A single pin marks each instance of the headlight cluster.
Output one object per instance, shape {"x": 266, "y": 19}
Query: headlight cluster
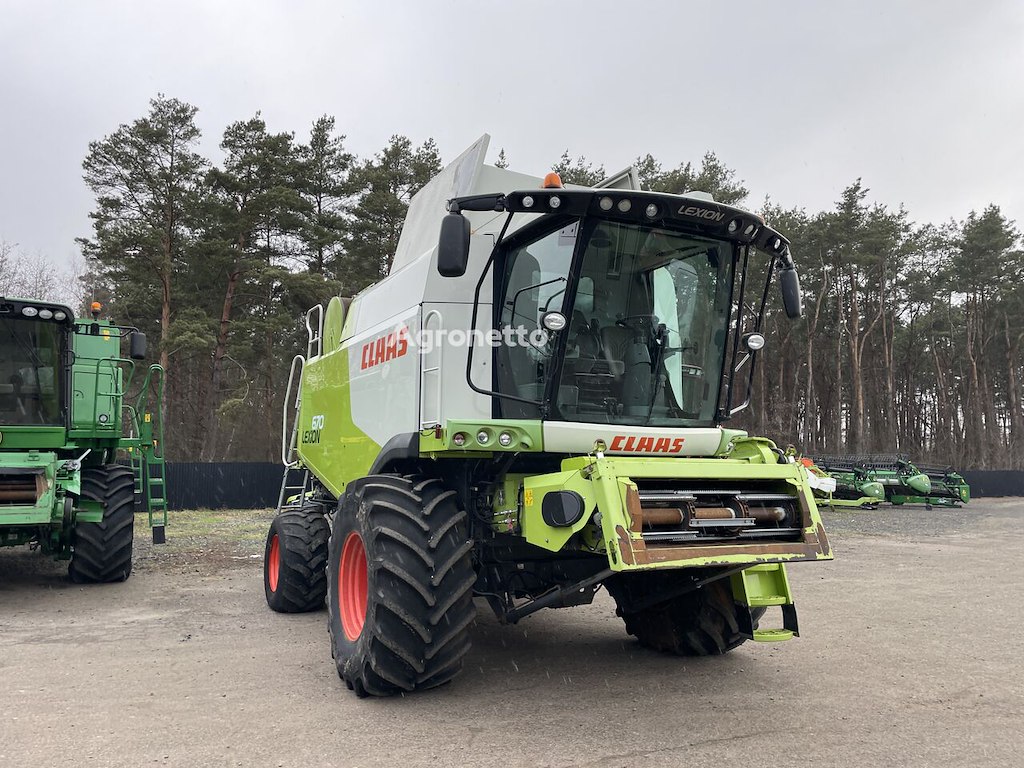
{"x": 45, "y": 313}
{"x": 553, "y": 201}
{"x": 491, "y": 438}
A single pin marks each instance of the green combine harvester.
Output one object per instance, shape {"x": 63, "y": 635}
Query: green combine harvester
{"x": 66, "y": 426}
{"x": 874, "y": 478}
{"x": 533, "y": 405}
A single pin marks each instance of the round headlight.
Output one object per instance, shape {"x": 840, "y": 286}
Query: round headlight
{"x": 527, "y": 202}
{"x": 749, "y": 230}
{"x": 554, "y": 321}
{"x": 776, "y": 244}
{"x": 651, "y": 210}
{"x": 625, "y": 205}
{"x": 29, "y": 311}
{"x": 45, "y": 314}
{"x": 733, "y": 226}
{"x": 483, "y": 436}
{"x": 58, "y": 315}
{"x": 753, "y": 341}
{"x": 459, "y": 439}
{"x": 555, "y": 201}
{"x": 505, "y": 438}
{"x": 606, "y": 203}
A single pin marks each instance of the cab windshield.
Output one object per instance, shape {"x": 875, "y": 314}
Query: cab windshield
{"x": 646, "y": 329}
{"x": 29, "y": 372}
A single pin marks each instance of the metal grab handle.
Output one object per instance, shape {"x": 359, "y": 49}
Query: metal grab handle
{"x": 434, "y": 369}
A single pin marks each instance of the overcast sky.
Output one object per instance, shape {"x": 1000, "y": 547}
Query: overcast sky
{"x": 923, "y": 100}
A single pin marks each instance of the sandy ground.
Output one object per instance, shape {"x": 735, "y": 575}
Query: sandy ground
{"x": 911, "y": 655}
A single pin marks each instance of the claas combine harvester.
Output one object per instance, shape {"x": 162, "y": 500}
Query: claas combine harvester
{"x": 533, "y": 405}
{"x": 77, "y": 455}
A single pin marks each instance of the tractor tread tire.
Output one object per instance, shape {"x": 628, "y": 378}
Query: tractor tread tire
{"x": 698, "y": 623}
{"x": 303, "y": 537}
{"x": 420, "y": 585}
{"x": 102, "y": 552}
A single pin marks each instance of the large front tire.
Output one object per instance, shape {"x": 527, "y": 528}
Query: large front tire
{"x": 295, "y": 561}
{"x": 102, "y": 552}
{"x": 702, "y": 622}
{"x": 400, "y": 584}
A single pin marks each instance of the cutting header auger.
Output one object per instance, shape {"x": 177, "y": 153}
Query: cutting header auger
{"x": 533, "y": 405}
{"x": 77, "y": 454}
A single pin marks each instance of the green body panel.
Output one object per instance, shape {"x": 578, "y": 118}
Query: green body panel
{"x": 97, "y": 385}
{"x": 534, "y": 529}
{"x": 603, "y": 482}
{"x": 44, "y": 510}
{"x": 32, "y": 438}
{"x": 527, "y": 436}
{"x": 334, "y": 449}
{"x": 333, "y": 321}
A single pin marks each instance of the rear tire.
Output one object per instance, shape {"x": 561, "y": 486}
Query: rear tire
{"x": 698, "y": 623}
{"x": 102, "y": 552}
{"x": 400, "y": 585}
{"x": 295, "y": 561}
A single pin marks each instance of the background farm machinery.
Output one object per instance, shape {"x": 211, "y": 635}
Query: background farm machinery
{"x": 863, "y": 480}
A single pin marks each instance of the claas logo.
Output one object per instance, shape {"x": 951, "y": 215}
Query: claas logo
{"x": 394, "y": 344}
{"x": 634, "y": 444}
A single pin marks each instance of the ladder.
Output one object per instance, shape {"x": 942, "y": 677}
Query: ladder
{"x": 146, "y": 451}
{"x": 295, "y": 480}
{"x": 148, "y": 465}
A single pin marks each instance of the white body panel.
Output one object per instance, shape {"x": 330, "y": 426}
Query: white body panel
{"x": 570, "y": 437}
{"x": 384, "y": 373}
{"x": 446, "y": 395}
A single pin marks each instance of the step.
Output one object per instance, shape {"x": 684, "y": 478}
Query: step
{"x": 772, "y": 635}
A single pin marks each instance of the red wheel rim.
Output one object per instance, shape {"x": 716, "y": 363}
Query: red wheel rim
{"x": 352, "y": 586}
{"x": 274, "y": 563}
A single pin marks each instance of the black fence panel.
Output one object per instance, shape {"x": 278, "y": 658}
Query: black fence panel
{"x": 251, "y": 485}
{"x": 995, "y": 482}
{"x": 220, "y": 485}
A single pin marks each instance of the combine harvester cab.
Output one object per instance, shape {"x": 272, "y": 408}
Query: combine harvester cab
{"x": 532, "y": 405}
{"x": 64, "y": 415}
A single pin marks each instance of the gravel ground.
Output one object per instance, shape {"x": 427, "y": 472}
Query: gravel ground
{"x": 911, "y": 655}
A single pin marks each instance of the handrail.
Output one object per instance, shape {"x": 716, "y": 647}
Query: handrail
{"x": 315, "y": 337}
{"x": 288, "y": 444}
{"x": 156, "y": 373}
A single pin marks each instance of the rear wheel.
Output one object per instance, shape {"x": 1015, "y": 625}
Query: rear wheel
{"x": 295, "y": 561}
{"x": 400, "y": 584}
{"x": 702, "y": 622}
{"x": 102, "y": 552}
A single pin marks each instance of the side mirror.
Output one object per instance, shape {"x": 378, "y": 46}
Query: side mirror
{"x": 453, "y": 245}
{"x": 789, "y": 283}
{"x": 137, "y": 345}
